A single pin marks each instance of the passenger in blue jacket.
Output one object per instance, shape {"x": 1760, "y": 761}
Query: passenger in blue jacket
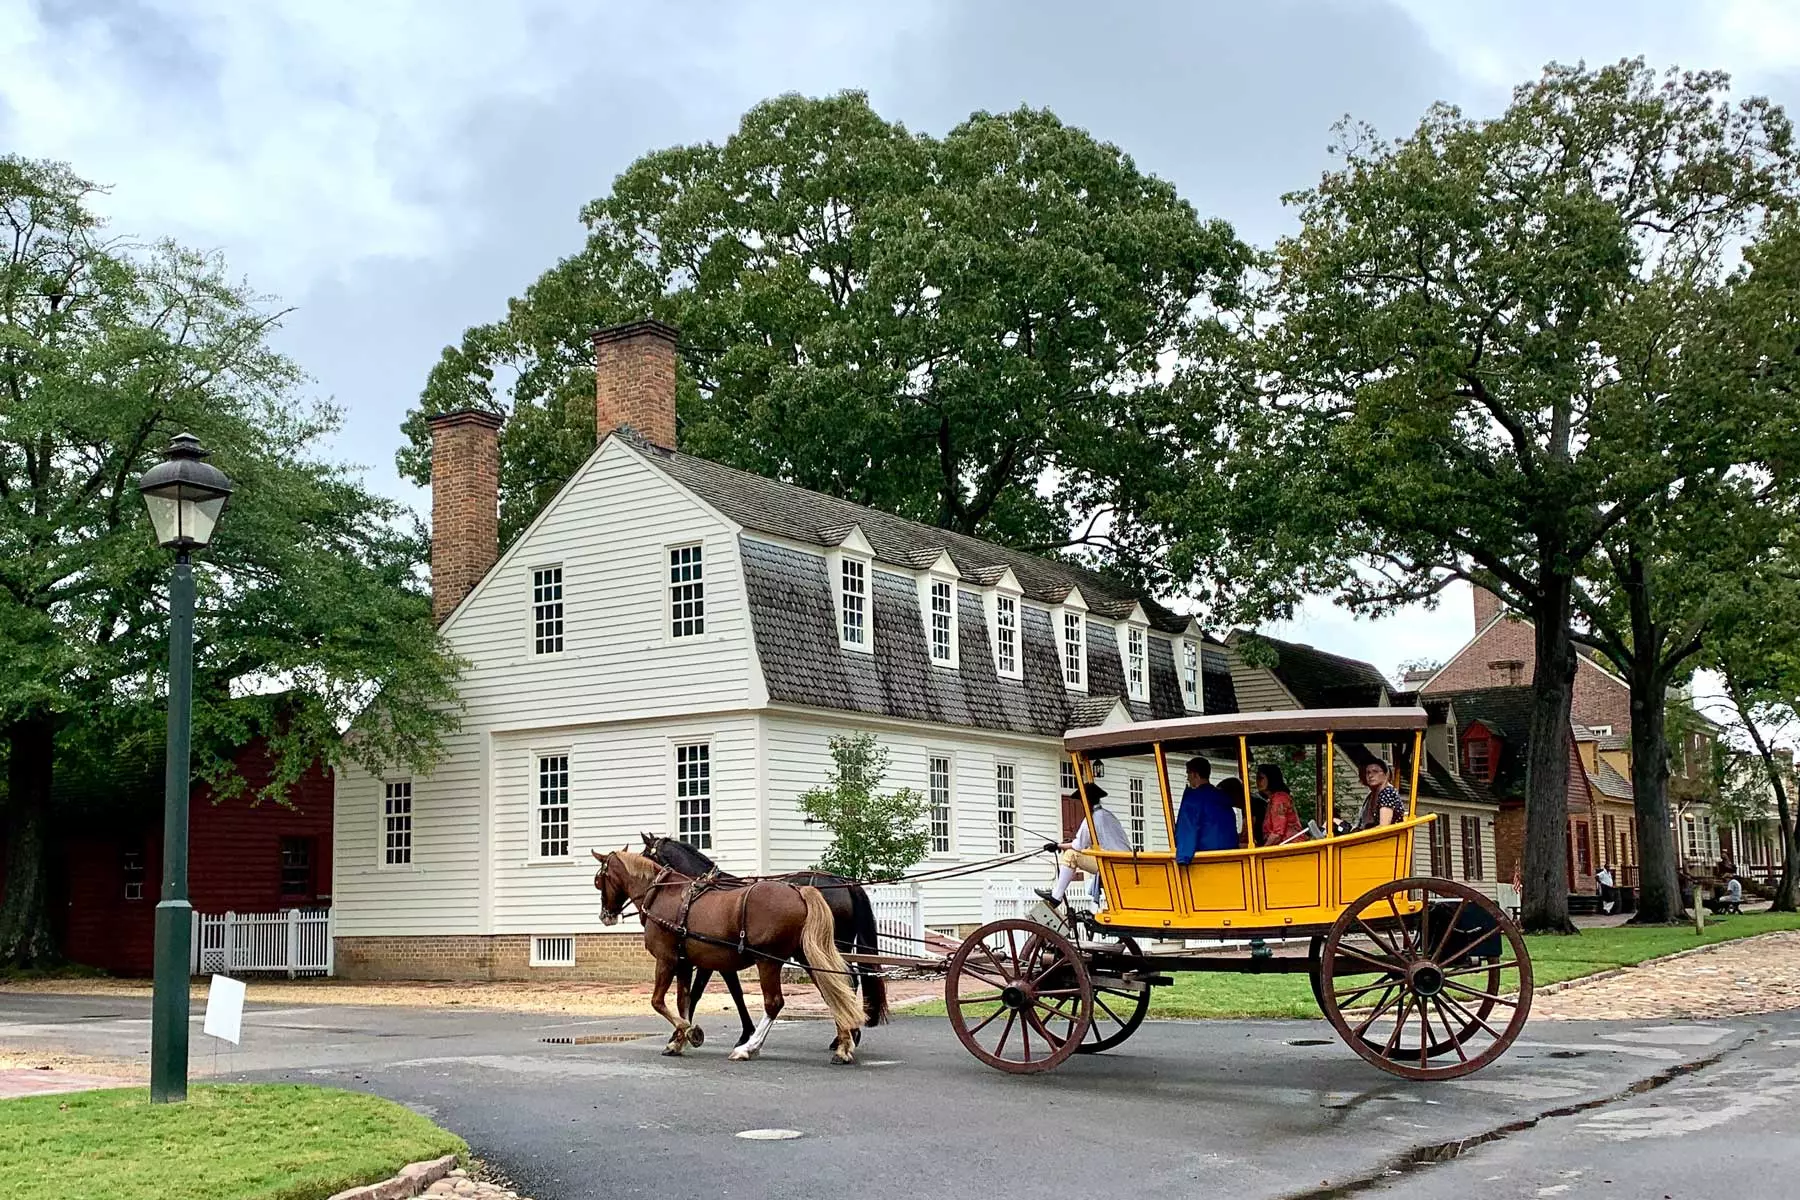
{"x": 1207, "y": 820}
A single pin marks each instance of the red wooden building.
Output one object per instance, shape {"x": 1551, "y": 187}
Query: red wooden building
{"x": 242, "y": 857}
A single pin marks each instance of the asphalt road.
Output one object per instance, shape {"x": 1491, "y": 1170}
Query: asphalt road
{"x": 1241, "y": 1108}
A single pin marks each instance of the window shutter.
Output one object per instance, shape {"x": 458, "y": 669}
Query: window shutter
{"x": 1467, "y": 855}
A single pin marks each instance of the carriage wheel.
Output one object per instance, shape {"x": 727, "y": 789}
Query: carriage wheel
{"x": 1118, "y": 1009}
{"x": 1315, "y": 958}
{"x": 1019, "y": 996}
{"x": 1414, "y": 1003}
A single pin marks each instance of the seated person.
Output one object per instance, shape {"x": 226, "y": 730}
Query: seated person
{"x": 1206, "y": 821}
{"x": 1281, "y": 821}
{"x": 1383, "y": 805}
{"x": 1232, "y": 788}
{"x": 1106, "y": 831}
{"x": 1730, "y": 898}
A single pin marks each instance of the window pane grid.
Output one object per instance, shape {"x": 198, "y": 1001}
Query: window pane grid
{"x": 1135, "y": 789}
{"x": 1134, "y": 655}
{"x": 940, "y": 622}
{"x": 1006, "y": 635}
{"x": 1074, "y": 649}
{"x": 939, "y": 796}
{"x": 1067, "y": 777}
{"x": 553, "y": 806}
{"x": 693, "y": 795}
{"x": 547, "y": 610}
{"x": 856, "y": 600}
{"x": 1190, "y": 674}
{"x": 1006, "y": 796}
{"x": 687, "y": 592}
{"x": 397, "y": 822}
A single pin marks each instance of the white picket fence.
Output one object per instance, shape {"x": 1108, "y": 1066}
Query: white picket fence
{"x": 900, "y": 916}
{"x": 296, "y": 941}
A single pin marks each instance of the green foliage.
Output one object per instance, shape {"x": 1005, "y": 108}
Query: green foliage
{"x": 874, "y": 835}
{"x": 310, "y": 608}
{"x": 933, "y": 326}
{"x": 228, "y": 1142}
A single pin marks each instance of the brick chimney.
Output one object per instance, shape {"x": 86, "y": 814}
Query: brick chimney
{"x": 465, "y": 505}
{"x": 1487, "y": 607}
{"x": 634, "y": 381}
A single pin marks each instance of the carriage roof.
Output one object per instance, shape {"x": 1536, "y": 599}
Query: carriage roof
{"x": 1259, "y": 728}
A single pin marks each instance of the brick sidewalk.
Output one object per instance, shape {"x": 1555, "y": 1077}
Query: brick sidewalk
{"x": 1750, "y": 975}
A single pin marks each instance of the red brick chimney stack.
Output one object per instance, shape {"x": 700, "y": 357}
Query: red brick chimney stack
{"x": 634, "y": 381}
{"x": 465, "y": 505}
{"x": 1487, "y": 607}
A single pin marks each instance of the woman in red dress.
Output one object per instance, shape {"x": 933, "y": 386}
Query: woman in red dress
{"x": 1280, "y": 820}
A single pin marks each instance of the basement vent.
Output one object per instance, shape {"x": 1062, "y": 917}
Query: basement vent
{"x": 553, "y": 951}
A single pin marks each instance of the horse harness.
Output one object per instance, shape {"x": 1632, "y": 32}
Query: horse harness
{"x": 698, "y": 886}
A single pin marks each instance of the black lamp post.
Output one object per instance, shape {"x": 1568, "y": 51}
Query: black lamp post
{"x": 185, "y": 495}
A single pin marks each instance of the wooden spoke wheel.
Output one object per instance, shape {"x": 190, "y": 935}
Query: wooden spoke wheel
{"x": 1119, "y": 1008}
{"x": 1019, "y": 996}
{"x": 1425, "y": 998}
{"x": 1315, "y": 959}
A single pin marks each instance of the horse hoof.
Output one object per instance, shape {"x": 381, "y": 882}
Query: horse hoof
{"x": 742, "y": 1055}
{"x": 843, "y": 1060}
{"x": 671, "y": 1051}
{"x": 696, "y": 1036}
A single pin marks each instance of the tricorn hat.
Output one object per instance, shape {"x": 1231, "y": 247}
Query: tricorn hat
{"x": 1094, "y": 793}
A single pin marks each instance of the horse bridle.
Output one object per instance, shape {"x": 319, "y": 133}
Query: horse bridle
{"x": 609, "y": 916}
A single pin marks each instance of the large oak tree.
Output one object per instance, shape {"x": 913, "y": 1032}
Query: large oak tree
{"x": 310, "y": 613}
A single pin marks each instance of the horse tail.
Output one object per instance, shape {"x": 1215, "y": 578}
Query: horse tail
{"x": 818, "y": 943}
{"x": 868, "y": 941}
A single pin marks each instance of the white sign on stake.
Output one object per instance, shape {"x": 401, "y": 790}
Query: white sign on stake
{"x": 224, "y": 1009}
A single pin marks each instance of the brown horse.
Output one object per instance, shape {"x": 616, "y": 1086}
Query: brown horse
{"x": 705, "y": 927}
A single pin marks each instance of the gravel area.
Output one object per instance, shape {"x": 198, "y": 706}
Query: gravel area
{"x": 1750, "y": 975}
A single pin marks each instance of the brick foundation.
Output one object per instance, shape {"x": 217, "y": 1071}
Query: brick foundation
{"x": 470, "y": 958}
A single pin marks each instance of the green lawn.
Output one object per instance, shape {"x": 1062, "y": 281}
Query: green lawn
{"x": 1553, "y": 959}
{"x": 233, "y": 1142}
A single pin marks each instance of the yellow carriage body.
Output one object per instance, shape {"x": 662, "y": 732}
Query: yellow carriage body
{"x": 1262, "y": 891}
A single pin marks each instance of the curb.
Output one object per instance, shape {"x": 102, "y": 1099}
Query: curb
{"x": 412, "y": 1179}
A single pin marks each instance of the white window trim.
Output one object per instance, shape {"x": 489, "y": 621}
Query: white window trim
{"x": 412, "y": 826}
{"x": 1183, "y": 647}
{"x": 673, "y": 821}
{"x": 949, "y": 757}
{"x": 1062, "y": 614}
{"x": 991, "y": 602}
{"x": 1123, "y": 633}
{"x": 1006, "y": 764}
{"x": 531, "y": 607}
{"x": 926, "y": 584}
{"x": 533, "y": 838}
{"x": 834, "y": 562}
{"x": 668, "y": 635}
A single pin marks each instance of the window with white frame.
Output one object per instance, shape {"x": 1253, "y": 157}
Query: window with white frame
{"x": 1067, "y": 777}
{"x": 1137, "y": 671}
{"x": 553, "y": 806}
{"x": 397, "y": 823}
{"x": 853, "y": 603}
{"x": 938, "y": 801}
{"x": 943, "y": 622}
{"x": 1134, "y": 791}
{"x": 1006, "y": 800}
{"x": 1006, "y": 636}
{"x": 1190, "y": 675}
{"x": 1074, "y": 644}
{"x": 693, "y": 794}
{"x": 547, "y": 610}
{"x": 687, "y": 591}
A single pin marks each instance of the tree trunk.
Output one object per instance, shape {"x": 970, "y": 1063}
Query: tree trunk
{"x": 1659, "y": 883}
{"x": 1544, "y": 884}
{"x": 25, "y": 936}
{"x": 1790, "y": 841}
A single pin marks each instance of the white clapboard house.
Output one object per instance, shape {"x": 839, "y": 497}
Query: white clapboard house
{"x": 671, "y": 645}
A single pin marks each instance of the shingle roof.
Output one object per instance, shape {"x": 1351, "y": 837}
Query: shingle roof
{"x": 771, "y": 507}
{"x": 1609, "y": 782}
{"x": 1319, "y": 679}
{"x": 1439, "y": 780}
{"x": 1503, "y": 710}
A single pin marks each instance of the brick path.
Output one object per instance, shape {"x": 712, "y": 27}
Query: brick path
{"x": 1749, "y": 975}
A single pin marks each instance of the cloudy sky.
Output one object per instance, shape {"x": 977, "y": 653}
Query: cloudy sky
{"x": 396, "y": 170}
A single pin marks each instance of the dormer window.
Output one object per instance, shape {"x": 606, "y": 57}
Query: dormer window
{"x": 1006, "y": 636}
{"x": 1190, "y": 675}
{"x": 853, "y": 603}
{"x": 1137, "y": 669}
{"x": 943, "y": 622}
{"x": 1074, "y": 650}
{"x": 1478, "y": 755}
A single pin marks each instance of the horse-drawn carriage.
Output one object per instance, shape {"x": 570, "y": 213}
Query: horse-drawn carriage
{"x": 1423, "y": 977}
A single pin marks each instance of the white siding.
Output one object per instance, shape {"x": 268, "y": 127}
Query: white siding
{"x": 621, "y": 783}
{"x": 1450, "y": 815}
{"x": 799, "y": 756}
{"x": 610, "y": 530}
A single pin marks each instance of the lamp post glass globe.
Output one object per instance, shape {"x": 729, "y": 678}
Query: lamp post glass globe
{"x": 185, "y": 494}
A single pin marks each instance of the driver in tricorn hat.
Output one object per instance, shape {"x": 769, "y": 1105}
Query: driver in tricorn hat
{"x": 1104, "y": 829}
